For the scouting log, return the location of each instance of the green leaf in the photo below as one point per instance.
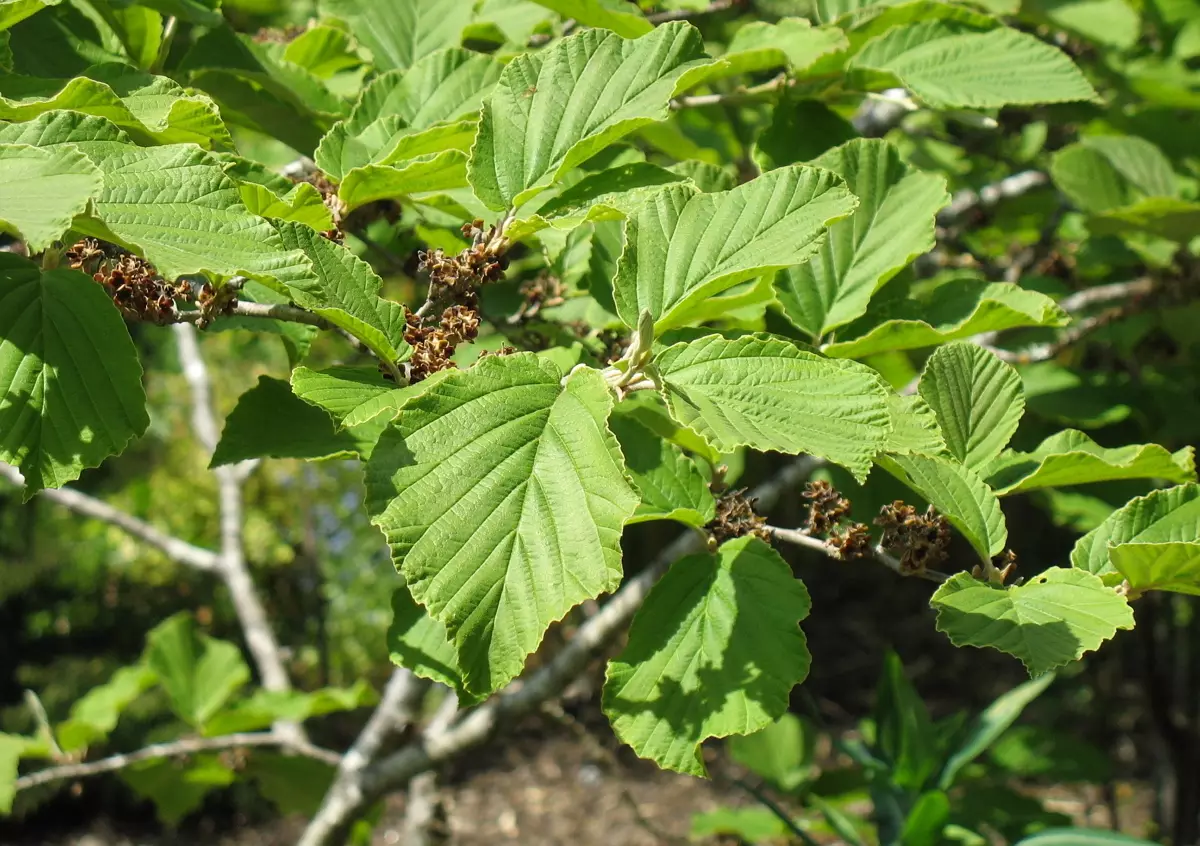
(670, 483)
(1177, 220)
(322, 50)
(617, 15)
(977, 398)
(893, 224)
(199, 12)
(752, 824)
(799, 131)
(295, 784)
(914, 428)
(987, 727)
(926, 819)
(1106, 172)
(304, 204)
(958, 493)
(198, 673)
(714, 651)
(356, 395)
(419, 642)
(1111, 23)
(684, 246)
(610, 194)
(1165, 516)
(42, 190)
(1049, 621)
(954, 310)
(95, 714)
(1081, 837)
(344, 290)
(69, 374)
(173, 204)
(1072, 458)
(177, 787)
(766, 393)
(398, 34)
(975, 70)
(554, 109)
(501, 494)
(792, 43)
(1172, 567)
(433, 172)
(905, 735)
(12, 12)
(782, 753)
(265, 707)
(152, 109)
(269, 421)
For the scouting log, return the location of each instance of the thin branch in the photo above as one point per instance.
(175, 749)
(480, 724)
(289, 313)
(1107, 293)
(756, 94)
(801, 538)
(345, 798)
(176, 549)
(232, 565)
(779, 813)
(989, 195)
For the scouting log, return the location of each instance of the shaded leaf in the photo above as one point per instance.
(420, 643)
(198, 673)
(671, 485)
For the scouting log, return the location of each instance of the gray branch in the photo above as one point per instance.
(881, 555)
(175, 749)
(176, 549)
(989, 195)
(480, 724)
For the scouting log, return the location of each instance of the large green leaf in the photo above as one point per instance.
(502, 497)
(977, 399)
(782, 753)
(419, 642)
(269, 421)
(905, 736)
(356, 395)
(344, 290)
(714, 651)
(198, 673)
(683, 246)
(70, 383)
(893, 224)
(670, 483)
(41, 191)
(264, 707)
(1072, 458)
(555, 109)
(975, 70)
(1165, 516)
(1049, 621)
(1106, 172)
(958, 493)
(1172, 567)
(621, 17)
(1167, 217)
(766, 393)
(178, 788)
(398, 34)
(1081, 837)
(95, 714)
(174, 204)
(954, 310)
(152, 109)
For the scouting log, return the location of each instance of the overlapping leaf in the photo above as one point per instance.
(915, 428)
(671, 485)
(975, 70)
(683, 246)
(152, 109)
(892, 225)
(1107, 172)
(1049, 621)
(1161, 517)
(553, 110)
(955, 310)
(433, 172)
(42, 190)
(617, 15)
(1072, 458)
(399, 34)
(502, 497)
(420, 643)
(792, 43)
(764, 392)
(714, 651)
(198, 673)
(356, 395)
(977, 399)
(70, 383)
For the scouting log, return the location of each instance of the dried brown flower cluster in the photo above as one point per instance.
(543, 291)
(827, 509)
(920, 540)
(434, 345)
(271, 35)
(452, 277)
(736, 518)
(132, 282)
(997, 573)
